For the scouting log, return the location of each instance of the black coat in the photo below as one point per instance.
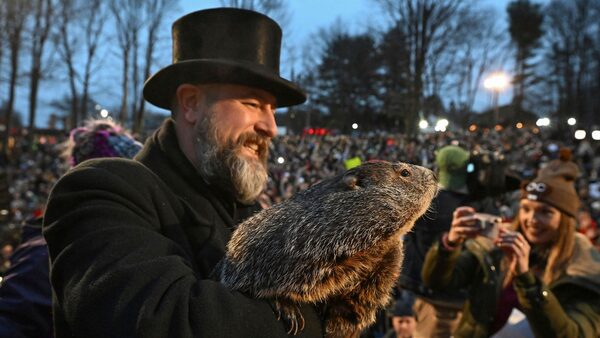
(132, 246)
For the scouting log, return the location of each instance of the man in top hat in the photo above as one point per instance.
(133, 243)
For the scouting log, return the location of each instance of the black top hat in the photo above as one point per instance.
(224, 45)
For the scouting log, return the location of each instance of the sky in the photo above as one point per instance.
(306, 18)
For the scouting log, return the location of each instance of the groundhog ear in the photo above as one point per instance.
(351, 181)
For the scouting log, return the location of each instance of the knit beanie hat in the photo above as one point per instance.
(452, 163)
(100, 138)
(555, 185)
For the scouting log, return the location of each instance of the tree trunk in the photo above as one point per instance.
(15, 47)
(33, 89)
(40, 34)
(124, 87)
(135, 78)
(139, 121)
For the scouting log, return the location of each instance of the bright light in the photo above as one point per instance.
(543, 122)
(441, 125)
(423, 124)
(498, 127)
(596, 135)
(496, 81)
(519, 125)
(579, 134)
(473, 127)
(104, 113)
(354, 126)
(571, 121)
(280, 160)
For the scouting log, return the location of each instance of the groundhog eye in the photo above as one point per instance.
(405, 173)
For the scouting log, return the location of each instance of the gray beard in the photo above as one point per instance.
(223, 166)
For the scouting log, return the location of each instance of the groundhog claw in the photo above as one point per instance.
(291, 315)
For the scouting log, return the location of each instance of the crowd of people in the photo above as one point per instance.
(298, 161)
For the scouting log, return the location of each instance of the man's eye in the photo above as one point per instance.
(252, 104)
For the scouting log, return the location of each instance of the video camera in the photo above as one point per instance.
(488, 175)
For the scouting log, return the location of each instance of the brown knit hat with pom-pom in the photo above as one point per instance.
(554, 184)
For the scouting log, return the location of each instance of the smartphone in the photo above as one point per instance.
(489, 224)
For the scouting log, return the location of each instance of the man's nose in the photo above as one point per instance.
(266, 125)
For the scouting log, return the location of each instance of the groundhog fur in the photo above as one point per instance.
(336, 245)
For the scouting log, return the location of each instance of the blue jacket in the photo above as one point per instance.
(25, 296)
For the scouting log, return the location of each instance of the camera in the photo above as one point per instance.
(489, 224)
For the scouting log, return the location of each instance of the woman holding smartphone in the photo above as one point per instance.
(538, 265)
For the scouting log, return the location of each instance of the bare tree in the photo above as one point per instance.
(66, 43)
(42, 22)
(154, 12)
(16, 15)
(573, 38)
(80, 31)
(2, 41)
(483, 49)
(95, 13)
(128, 18)
(427, 26)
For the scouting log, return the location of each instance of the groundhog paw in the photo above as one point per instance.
(289, 312)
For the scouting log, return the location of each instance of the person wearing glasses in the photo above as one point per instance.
(538, 266)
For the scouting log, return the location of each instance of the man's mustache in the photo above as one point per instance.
(262, 142)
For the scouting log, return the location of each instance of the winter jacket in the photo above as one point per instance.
(25, 298)
(133, 243)
(425, 233)
(569, 307)
(417, 242)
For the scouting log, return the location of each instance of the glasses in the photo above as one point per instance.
(536, 187)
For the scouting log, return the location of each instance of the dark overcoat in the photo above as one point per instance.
(133, 243)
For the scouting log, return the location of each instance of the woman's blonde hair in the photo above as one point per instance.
(561, 250)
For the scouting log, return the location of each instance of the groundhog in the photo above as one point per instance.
(336, 245)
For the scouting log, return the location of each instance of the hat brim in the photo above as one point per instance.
(160, 88)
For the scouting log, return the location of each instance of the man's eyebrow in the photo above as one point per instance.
(262, 96)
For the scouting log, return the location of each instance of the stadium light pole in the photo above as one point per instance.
(496, 83)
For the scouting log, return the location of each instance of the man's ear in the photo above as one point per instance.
(188, 101)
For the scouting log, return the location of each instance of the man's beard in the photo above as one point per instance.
(223, 165)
